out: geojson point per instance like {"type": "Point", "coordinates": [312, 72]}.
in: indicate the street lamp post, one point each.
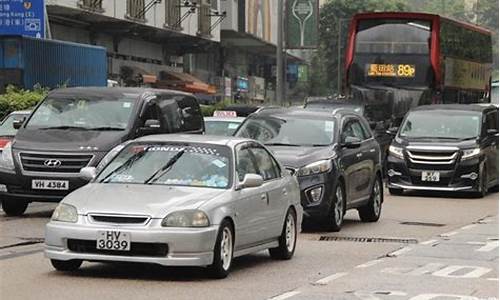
{"type": "Point", "coordinates": [279, 56]}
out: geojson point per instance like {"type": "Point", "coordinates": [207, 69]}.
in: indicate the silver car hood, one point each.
{"type": "Point", "coordinates": [153, 200]}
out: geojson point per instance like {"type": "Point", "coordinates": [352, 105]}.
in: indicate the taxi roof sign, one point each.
{"type": "Point", "coordinates": [225, 113]}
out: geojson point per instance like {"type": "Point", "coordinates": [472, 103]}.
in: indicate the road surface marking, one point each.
{"type": "Point", "coordinates": [440, 296]}
{"type": "Point", "coordinates": [428, 242]}
{"type": "Point", "coordinates": [492, 279]}
{"type": "Point", "coordinates": [468, 226]}
{"type": "Point", "coordinates": [373, 295]}
{"type": "Point", "coordinates": [399, 252]}
{"type": "Point", "coordinates": [448, 234]}
{"type": "Point", "coordinates": [326, 280]}
{"type": "Point", "coordinates": [369, 264]}
{"type": "Point", "coordinates": [427, 269]}
{"type": "Point", "coordinates": [486, 246]}
{"type": "Point", "coordinates": [285, 295]}
{"type": "Point", "coordinates": [475, 272]}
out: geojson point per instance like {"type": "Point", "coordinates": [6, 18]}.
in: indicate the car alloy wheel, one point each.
{"type": "Point", "coordinates": [339, 206]}
{"type": "Point", "coordinates": [290, 233]}
{"type": "Point", "coordinates": [288, 238]}
{"type": "Point", "coordinates": [226, 248]}
{"type": "Point", "coordinates": [223, 251]}
{"type": "Point", "coordinates": [377, 198]}
{"type": "Point", "coordinates": [370, 212]}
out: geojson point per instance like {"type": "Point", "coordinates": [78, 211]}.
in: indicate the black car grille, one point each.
{"type": "Point", "coordinates": [136, 249]}
{"type": "Point", "coordinates": [119, 219]}
{"type": "Point", "coordinates": [54, 163]}
{"type": "Point", "coordinates": [432, 160]}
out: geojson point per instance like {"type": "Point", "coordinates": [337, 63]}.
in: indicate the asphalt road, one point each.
{"type": "Point", "coordinates": [423, 247]}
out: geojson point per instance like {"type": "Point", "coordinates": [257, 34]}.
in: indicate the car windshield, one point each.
{"type": "Point", "coordinates": [288, 130]}
{"type": "Point", "coordinates": [196, 165]}
{"type": "Point", "coordinates": [7, 128]}
{"type": "Point", "coordinates": [441, 124]}
{"type": "Point", "coordinates": [92, 112]}
{"type": "Point", "coordinates": [223, 128]}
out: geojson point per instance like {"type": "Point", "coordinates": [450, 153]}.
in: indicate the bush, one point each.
{"type": "Point", "coordinates": [19, 99]}
{"type": "Point", "coordinates": [208, 110]}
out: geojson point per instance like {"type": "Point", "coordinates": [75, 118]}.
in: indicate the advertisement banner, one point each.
{"type": "Point", "coordinates": [302, 24]}
{"type": "Point", "coordinates": [261, 18]}
{"type": "Point", "coordinates": [22, 18]}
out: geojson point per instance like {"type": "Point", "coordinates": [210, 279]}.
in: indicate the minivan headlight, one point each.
{"type": "Point", "coordinates": [6, 158]}
{"type": "Point", "coordinates": [65, 213]}
{"type": "Point", "coordinates": [186, 218]}
{"type": "Point", "coordinates": [318, 167]}
{"type": "Point", "coordinates": [470, 153]}
{"type": "Point", "coordinates": [396, 151]}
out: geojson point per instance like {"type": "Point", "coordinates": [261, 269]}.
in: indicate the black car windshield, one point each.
{"type": "Point", "coordinates": [92, 112]}
{"type": "Point", "coordinates": [441, 124]}
{"type": "Point", "coordinates": [288, 130]}
{"type": "Point", "coordinates": [196, 165]}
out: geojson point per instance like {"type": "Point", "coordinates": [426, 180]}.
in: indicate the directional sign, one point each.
{"type": "Point", "coordinates": [22, 17]}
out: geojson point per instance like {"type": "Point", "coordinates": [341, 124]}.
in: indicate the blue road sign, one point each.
{"type": "Point", "coordinates": [22, 17]}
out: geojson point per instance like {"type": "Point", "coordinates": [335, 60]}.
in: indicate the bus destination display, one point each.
{"type": "Point", "coordinates": [391, 70]}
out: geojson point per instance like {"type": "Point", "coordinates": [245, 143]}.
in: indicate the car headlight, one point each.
{"type": "Point", "coordinates": [470, 153]}
{"type": "Point", "coordinates": [65, 213]}
{"type": "Point", "coordinates": [396, 151]}
{"type": "Point", "coordinates": [318, 167]}
{"type": "Point", "coordinates": [6, 158]}
{"type": "Point", "coordinates": [186, 218]}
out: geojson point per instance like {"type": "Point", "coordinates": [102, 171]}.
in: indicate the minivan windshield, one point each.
{"type": "Point", "coordinates": [195, 165]}
{"type": "Point", "coordinates": [288, 131]}
{"type": "Point", "coordinates": [441, 124]}
{"type": "Point", "coordinates": [82, 112]}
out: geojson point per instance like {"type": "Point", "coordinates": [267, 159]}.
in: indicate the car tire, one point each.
{"type": "Point", "coordinates": [66, 265]}
{"type": "Point", "coordinates": [223, 251]}
{"type": "Point", "coordinates": [335, 218]}
{"type": "Point", "coordinates": [288, 239]}
{"type": "Point", "coordinates": [372, 210]}
{"type": "Point", "coordinates": [14, 208]}
{"type": "Point", "coordinates": [483, 184]}
{"type": "Point", "coordinates": [396, 192]}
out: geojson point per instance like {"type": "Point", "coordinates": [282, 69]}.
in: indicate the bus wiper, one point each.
{"type": "Point", "coordinates": [107, 128]}
{"type": "Point", "coordinates": [64, 127]}
{"type": "Point", "coordinates": [164, 169]}
{"type": "Point", "coordinates": [282, 144]}
{"type": "Point", "coordinates": [126, 164]}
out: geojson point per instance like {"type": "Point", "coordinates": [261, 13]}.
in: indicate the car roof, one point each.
{"type": "Point", "coordinates": [112, 91]}
{"type": "Point", "coordinates": [223, 119]}
{"type": "Point", "coordinates": [303, 112]}
{"type": "Point", "coordinates": [195, 138]}
{"type": "Point", "coordinates": [455, 107]}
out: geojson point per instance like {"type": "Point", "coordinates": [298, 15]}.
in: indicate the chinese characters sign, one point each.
{"type": "Point", "coordinates": [22, 17]}
{"type": "Point", "coordinates": [389, 70]}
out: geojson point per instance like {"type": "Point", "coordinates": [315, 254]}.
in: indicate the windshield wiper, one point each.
{"type": "Point", "coordinates": [126, 164]}
{"type": "Point", "coordinates": [282, 144]}
{"type": "Point", "coordinates": [164, 169]}
{"type": "Point", "coordinates": [65, 127]}
{"type": "Point", "coordinates": [107, 128]}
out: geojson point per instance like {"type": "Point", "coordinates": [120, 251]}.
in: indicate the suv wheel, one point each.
{"type": "Point", "coordinates": [335, 217]}
{"type": "Point", "coordinates": [371, 211]}
{"type": "Point", "coordinates": [14, 208]}
{"type": "Point", "coordinates": [287, 239]}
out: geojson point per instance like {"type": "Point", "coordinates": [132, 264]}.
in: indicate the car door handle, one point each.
{"type": "Point", "coordinates": [372, 150]}
{"type": "Point", "coordinates": [264, 197]}
{"type": "Point", "coordinates": [284, 191]}
{"type": "Point", "coordinates": [359, 155]}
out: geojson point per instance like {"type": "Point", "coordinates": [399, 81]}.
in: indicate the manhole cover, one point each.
{"type": "Point", "coordinates": [367, 239]}
{"type": "Point", "coordinates": [423, 224]}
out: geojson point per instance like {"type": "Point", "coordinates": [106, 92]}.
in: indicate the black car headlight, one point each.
{"type": "Point", "coordinates": [318, 167]}
{"type": "Point", "coordinates": [396, 151]}
{"type": "Point", "coordinates": [470, 153]}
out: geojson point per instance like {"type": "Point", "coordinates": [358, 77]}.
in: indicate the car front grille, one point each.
{"type": "Point", "coordinates": [54, 163]}
{"type": "Point", "coordinates": [136, 249]}
{"type": "Point", "coordinates": [432, 160]}
{"type": "Point", "coordinates": [119, 219]}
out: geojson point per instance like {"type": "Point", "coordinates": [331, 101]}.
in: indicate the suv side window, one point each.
{"type": "Point", "coordinates": [353, 129]}
{"type": "Point", "coordinates": [244, 163]}
{"type": "Point", "coordinates": [191, 114]}
{"type": "Point", "coordinates": [268, 168]}
{"type": "Point", "coordinates": [170, 116]}
{"type": "Point", "coordinates": [152, 112]}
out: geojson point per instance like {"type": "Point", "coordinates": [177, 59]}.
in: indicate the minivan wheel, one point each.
{"type": "Point", "coordinates": [66, 265]}
{"type": "Point", "coordinates": [223, 251]}
{"type": "Point", "coordinates": [335, 217]}
{"type": "Point", "coordinates": [483, 184]}
{"type": "Point", "coordinates": [372, 210]}
{"type": "Point", "coordinates": [288, 238]}
{"type": "Point", "coordinates": [14, 208]}
{"type": "Point", "coordinates": [396, 192]}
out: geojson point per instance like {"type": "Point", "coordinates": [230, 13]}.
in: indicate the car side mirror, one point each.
{"type": "Point", "coordinates": [392, 130]}
{"type": "Point", "coordinates": [17, 124]}
{"type": "Point", "coordinates": [352, 142]}
{"type": "Point", "coordinates": [88, 173]}
{"type": "Point", "coordinates": [251, 181]}
{"type": "Point", "coordinates": [151, 126]}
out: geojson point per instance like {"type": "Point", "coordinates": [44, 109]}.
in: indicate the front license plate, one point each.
{"type": "Point", "coordinates": [60, 185]}
{"type": "Point", "coordinates": [430, 176]}
{"type": "Point", "coordinates": [113, 240]}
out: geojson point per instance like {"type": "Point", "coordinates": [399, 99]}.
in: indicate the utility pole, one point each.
{"type": "Point", "coordinates": [339, 63]}
{"type": "Point", "coordinates": [279, 57]}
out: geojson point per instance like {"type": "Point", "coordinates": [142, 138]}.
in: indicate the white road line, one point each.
{"type": "Point", "coordinates": [400, 251]}
{"type": "Point", "coordinates": [448, 234]}
{"type": "Point", "coordinates": [492, 279]}
{"type": "Point", "coordinates": [468, 226]}
{"type": "Point", "coordinates": [326, 280]}
{"type": "Point", "coordinates": [429, 242]}
{"type": "Point", "coordinates": [369, 264]}
{"type": "Point", "coordinates": [285, 295]}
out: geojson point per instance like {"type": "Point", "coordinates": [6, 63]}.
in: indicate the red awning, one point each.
{"type": "Point", "coordinates": [184, 82]}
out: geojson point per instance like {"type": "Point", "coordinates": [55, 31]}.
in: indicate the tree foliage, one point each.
{"type": "Point", "coordinates": [19, 99]}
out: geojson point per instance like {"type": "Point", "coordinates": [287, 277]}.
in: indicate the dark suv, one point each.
{"type": "Point", "coordinates": [333, 154]}
{"type": "Point", "coordinates": [445, 148]}
{"type": "Point", "coordinates": [74, 128]}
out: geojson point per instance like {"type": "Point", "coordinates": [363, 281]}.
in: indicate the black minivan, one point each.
{"type": "Point", "coordinates": [445, 148]}
{"type": "Point", "coordinates": [74, 128]}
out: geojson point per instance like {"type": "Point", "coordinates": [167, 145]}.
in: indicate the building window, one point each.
{"type": "Point", "coordinates": [214, 5]}
{"type": "Point", "coordinates": [204, 13]}
{"type": "Point", "coordinates": [135, 10]}
{"type": "Point", "coordinates": [93, 5]}
{"type": "Point", "coordinates": [173, 14]}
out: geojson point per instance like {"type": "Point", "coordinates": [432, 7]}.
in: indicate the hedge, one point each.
{"type": "Point", "coordinates": [19, 99]}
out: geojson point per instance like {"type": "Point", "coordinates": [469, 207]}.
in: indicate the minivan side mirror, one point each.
{"type": "Point", "coordinates": [392, 130]}
{"type": "Point", "coordinates": [351, 142]}
{"type": "Point", "coordinates": [88, 173]}
{"type": "Point", "coordinates": [251, 181]}
{"type": "Point", "coordinates": [17, 124]}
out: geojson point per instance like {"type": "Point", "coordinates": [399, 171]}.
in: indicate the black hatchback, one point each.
{"type": "Point", "coordinates": [333, 154]}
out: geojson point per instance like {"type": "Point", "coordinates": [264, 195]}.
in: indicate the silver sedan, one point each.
{"type": "Point", "coordinates": [179, 200]}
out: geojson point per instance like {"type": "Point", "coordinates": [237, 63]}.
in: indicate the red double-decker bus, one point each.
{"type": "Point", "coordinates": [410, 59]}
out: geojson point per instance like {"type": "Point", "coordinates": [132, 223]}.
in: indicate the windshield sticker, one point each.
{"type": "Point", "coordinates": [127, 104]}
{"type": "Point", "coordinates": [219, 163]}
{"type": "Point", "coordinates": [189, 149]}
{"type": "Point", "coordinates": [329, 126]}
{"type": "Point", "coordinates": [233, 125]}
{"type": "Point", "coordinates": [206, 181]}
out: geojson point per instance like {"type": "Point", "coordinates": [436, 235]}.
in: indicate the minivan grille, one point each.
{"type": "Point", "coordinates": [56, 163]}
{"type": "Point", "coordinates": [432, 160]}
